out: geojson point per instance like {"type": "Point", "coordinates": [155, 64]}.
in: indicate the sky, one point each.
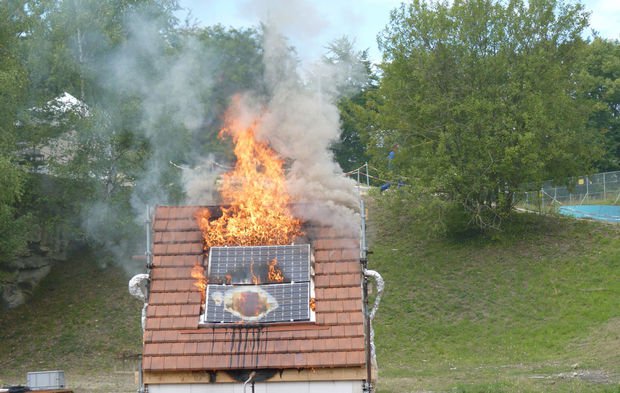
{"type": "Point", "coordinates": [310, 25]}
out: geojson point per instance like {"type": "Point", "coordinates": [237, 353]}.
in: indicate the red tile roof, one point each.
{"type": "Point", "coordinates": [174, 341]}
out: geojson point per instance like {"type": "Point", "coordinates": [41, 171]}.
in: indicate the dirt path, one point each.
{"type": "Point", "coordinates": [117, 382]}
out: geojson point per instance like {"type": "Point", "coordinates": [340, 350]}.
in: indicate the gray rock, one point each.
{"type": "Point", "coordinates": [21, 285]}
{"type": "Point", "coordinates": [24, 273]}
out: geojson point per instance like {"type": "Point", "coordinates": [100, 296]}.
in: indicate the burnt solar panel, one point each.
{"type": "Point", "coordinates": [258, 303]}
{"type": "Point", "coordinates": [268, 301]}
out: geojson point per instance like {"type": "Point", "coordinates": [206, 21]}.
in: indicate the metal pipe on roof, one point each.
{"type": "Point", "coordinates": [148, 253]}
{"type": "Point", "coordinates": [363, 246]}
{"type": "Point", "coordinates": [139, 286]}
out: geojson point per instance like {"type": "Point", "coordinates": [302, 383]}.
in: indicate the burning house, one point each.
{"type": "Point", "coordinates": [247, 296]}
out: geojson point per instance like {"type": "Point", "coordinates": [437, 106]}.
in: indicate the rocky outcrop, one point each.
{"type": "Point", "coordinates": [20, 283]}
{"type": "Point", "coordinates": [19, 279]}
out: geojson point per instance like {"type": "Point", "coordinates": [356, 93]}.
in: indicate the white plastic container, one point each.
{"type": "Point", "coordinates": [41, 380]}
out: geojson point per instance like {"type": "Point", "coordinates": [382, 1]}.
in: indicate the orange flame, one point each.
{"type": "Point", "coordinates": [201, 281]}
{"type": "Point", "coordinates": [256, 193]}
{"type": "Point", "coordinates": [255, 279]}
{"type": "Point", "coordinates": [275, 273]}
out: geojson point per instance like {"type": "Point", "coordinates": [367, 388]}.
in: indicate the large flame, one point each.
{"type": "Point", "coordinates": [255, 191]}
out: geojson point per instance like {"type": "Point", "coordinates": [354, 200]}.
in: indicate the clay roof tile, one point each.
{"type": "Point", "coordinates": [174, 340]}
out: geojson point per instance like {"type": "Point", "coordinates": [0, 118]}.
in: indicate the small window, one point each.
{"type": "Point", "coordinates": [258, 284]}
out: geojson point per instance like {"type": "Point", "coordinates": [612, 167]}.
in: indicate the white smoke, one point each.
{"type": "Point", "coordinates": [166, 83]}
{"type": "Point", "coordinates": [200, 181]}
{"type": "Point", "coordinates": [179, 79]}
{"type": "Point", "coordinates": [299, 20]}
{"type": "Point", "coordinates": [301, 122]}
{"type": "Point", "coordinates": [300, 119]}
{"type": "Point", "coordinates": [172, 97]}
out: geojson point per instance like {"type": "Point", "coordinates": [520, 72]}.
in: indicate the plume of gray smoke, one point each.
{"type": "Point", "coordinates": [300, 20]}
{"type": "Point", "coordinates": [170, 94]}
{"type": "Point", "coordinates": [291, 17]}
{"type": "Point", "coordinates": [200, 181]}
{"type": "Point", "coordinates": [100, 219]}
{"type": "Point", "coordinates": [301, 122]}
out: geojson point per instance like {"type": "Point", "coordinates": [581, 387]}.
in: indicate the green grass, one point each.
{"type": "Point", "coordinates": [514, 312]}
{"type": "Point", "coordinates": [81, 319]}
{"type": "Point", "coordinates": [535, 308]}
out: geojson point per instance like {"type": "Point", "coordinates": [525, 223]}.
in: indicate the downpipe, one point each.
{"type": "Point", "coordinates": [379, 286]}
{"type": "Point", "coordinates": [250, 379]}
{"type": "Point", "coordinates": [369, 313]}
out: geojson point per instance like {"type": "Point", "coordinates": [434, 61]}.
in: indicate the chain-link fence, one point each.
{"type": "Point", "coordinates": [601, 188]}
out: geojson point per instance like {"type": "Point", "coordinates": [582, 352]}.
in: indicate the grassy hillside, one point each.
{"type": "Point", "coordinates": [535, 309]}
{"type": "Point", "coordinates": [81, 320]}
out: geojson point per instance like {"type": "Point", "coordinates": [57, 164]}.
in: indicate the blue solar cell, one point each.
{"type": "Point", "coordinates": [240, 262]}
{"type": "Point", "coordinates": [243, 285]}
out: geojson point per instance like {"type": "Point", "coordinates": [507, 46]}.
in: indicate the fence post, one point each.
{"type": "Point", "coordinates": [604, 188]}
{"type": "Point", "coordinates": [527, 199]}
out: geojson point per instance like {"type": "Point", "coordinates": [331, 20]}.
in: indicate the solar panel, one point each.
{"type": "Point", "coordinates": [258, 284]}
{"type": "Point", "coordinates": [240, 262]}
{"type": "Point", "coordinates": [258, 303]}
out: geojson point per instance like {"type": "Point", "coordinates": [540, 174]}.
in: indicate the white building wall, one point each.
{"type": "Point", "coordinates": [264, 387]}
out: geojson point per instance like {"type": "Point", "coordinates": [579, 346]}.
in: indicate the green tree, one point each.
{"type": "Point", "coordinates": [92, 157]}
{"type": "Point", "coordinates": [355, 82]}
{"type": "Point", "coordinates": [601, 81]}
{"type": "Point", "coordinates": [234, 63]}
{"type": "Point", "coordinates": [13, 228]}
{"type": "Point", "coordinates": [483, 97]}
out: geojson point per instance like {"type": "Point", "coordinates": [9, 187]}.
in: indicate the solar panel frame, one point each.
{"type": "Point", "coordinates": [292, 297]}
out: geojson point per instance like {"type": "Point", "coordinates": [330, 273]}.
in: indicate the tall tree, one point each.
{"type": "Point", "coordinates": [234, 64]}
{"type": "Point", "coordinates": [99, 152]}
{"type": "Point", "coordinates": [13, 79]}
{"type": "Point", "coordinates": [601, 82]}
{"type": "Point", "coordinates": [355, 81]}
{"type": "Point", "coordinates": [482, 98]}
